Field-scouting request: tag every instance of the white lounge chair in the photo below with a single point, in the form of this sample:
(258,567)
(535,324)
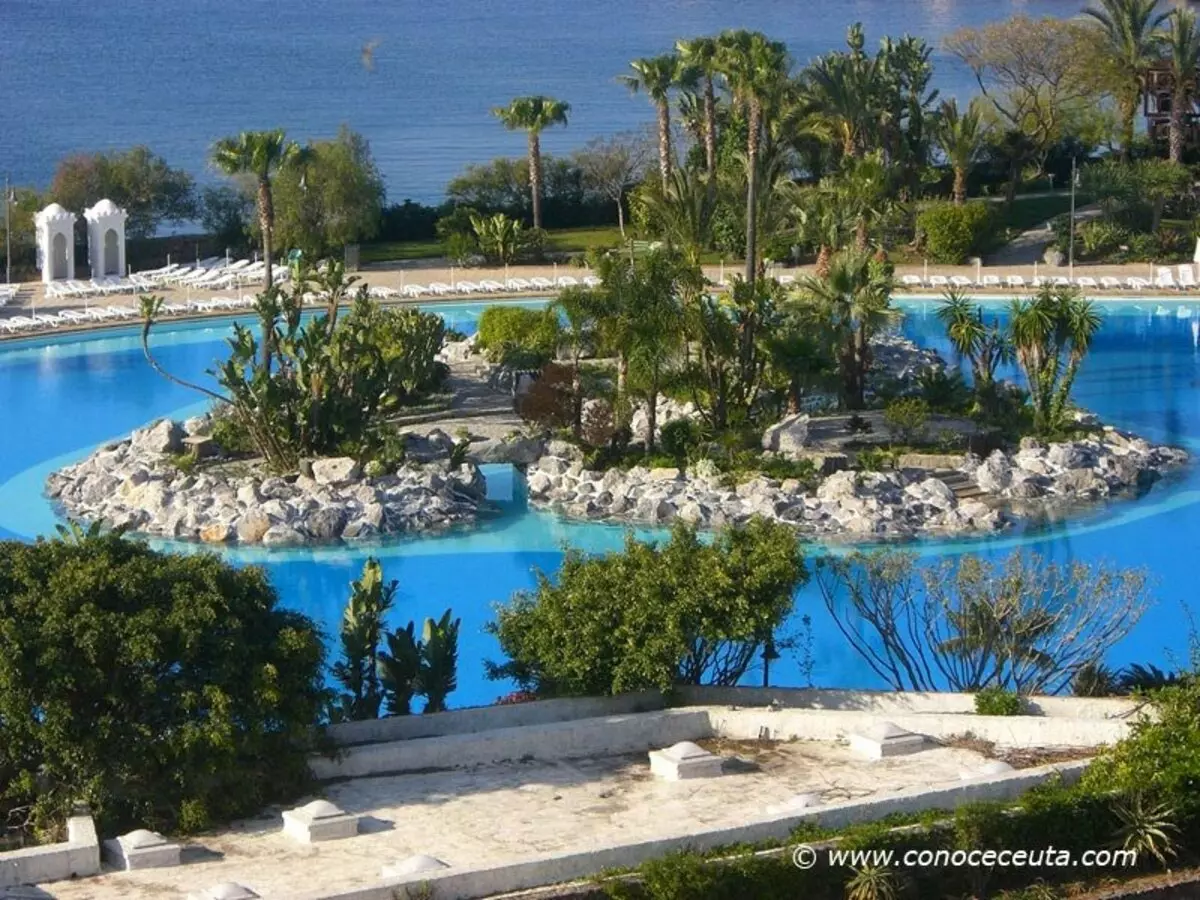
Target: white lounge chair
(1086,281)
(171,309)
(1040,281)
(99,314)
(468,287)
(960,281)
(1016,281)
(1136,284)
(786,280)
(939,281)
(518,284)
(990,281)
(1109,283)
(74,317)
(912,281)
(48,319)
(1187,278)
(414,290)
(439,287)
(19,323)
(592,281)
(542,284)
(1164,280)
(492,287)
(123,312)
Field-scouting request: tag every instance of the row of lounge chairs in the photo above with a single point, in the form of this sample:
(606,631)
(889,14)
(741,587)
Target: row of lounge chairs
(510,286)
(1164,280)
(8,293)
(41,321)
(214,272)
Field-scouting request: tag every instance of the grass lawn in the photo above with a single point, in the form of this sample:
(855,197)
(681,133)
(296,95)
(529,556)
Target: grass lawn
(567,240)
(393,250)
(1024,214)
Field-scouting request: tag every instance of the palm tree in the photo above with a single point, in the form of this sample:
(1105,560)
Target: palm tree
(1130,30)
(533,115)
(657,75)
(756,69)
(855,299)
(259,154)
(681,211)
(844,89)
(960,137)
(985,346)
(1182,47)
(701,56)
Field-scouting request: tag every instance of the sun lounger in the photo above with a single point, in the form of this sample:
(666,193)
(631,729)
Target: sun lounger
(592,281)
(1187,278)
(960,281)
(171,309)
(1040,281)
(99,314)
(912,281)
(1164,280)
(570,281)
(74,316)
(518,284)
(122,312)
(1136,284)
(542,284)
(414,290)
(1086,281)
(48,319)
(467,287)
(1015,281)
(19,323)
(990,281)
(939,281)
(1109,283)
(439,287)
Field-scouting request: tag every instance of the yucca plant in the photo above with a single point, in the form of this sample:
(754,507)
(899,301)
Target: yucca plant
(873,883)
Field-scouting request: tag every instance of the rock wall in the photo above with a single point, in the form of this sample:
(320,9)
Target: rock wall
(132,483)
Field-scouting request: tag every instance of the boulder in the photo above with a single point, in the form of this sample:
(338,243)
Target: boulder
(216,533)
(251,527)
(838,486)
(325,523)
(994,474)
(932,492)
(197,426)
(787,436)
(336,470)
(278,535)
(164,436)
(1069,455)
(1080,483)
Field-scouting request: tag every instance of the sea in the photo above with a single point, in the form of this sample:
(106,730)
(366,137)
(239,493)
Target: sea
(417,77)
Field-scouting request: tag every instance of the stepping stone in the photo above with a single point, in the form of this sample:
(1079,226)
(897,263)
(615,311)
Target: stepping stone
(141,849)
(319,820)
(684,760)
(885,739)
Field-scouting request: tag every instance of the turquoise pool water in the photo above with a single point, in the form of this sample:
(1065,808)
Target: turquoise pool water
(61,396)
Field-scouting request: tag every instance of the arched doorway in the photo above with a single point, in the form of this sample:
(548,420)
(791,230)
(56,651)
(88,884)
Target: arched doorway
(58,257)
(112,253)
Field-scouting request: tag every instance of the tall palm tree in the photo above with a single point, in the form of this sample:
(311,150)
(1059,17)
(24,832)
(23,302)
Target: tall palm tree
(657,75)
(701,56)
(259,154)
(1182,47)
(960,138)
(681,211)
(1130,31)
(855,299)
(844,89)
(533,115)
(757,71)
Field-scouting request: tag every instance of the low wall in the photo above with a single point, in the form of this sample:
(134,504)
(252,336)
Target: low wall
(1019,732)
(466,884)
(486,718)
(604,736)
(892,703)
(78,856)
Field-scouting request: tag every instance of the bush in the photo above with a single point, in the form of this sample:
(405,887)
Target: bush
(954,232)
(943,391)
(549,402)
(996,701)
(1101,237)
(679,437)
(906,418)
(506,327)
(167,692)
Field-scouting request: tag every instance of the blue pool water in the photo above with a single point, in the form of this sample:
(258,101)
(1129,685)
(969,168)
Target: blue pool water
(63,397)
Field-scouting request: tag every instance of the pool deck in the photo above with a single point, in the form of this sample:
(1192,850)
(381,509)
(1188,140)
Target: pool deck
(502,813)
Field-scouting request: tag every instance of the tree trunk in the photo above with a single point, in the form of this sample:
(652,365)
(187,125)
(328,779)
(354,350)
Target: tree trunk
(960,185)
(1178,100)
(664,142)
(622,383)
(266,221)
(793,406)
(535,176)
(710,127)
(752,190)
(621,216)
(1128,107)
(824,256)
(652,411)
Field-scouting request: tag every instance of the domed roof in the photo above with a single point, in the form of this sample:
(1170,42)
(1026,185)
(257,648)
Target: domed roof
(413,865)
(135,840)
(321,809)
(53,211)
(687,750)
(104,208)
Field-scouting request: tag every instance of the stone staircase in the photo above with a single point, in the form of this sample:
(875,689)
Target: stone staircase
(962,484)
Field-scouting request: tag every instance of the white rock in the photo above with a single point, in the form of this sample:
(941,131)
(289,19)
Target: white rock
(336,470)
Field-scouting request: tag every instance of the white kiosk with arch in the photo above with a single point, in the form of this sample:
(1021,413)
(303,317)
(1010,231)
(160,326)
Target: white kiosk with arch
(106,239)
(55,243)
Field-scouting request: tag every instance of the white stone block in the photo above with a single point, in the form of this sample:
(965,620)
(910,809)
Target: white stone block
(990,769)
(884,740)
(141,849)
(413,865)
(684,760)
(319,820)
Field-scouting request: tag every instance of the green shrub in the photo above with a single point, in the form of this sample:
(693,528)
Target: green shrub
(1101,237)
(954,232)
(229,434)
(996,701)
(944,391)
(906,418)
(876,459)
(166,691)
(505,328)
(679,437)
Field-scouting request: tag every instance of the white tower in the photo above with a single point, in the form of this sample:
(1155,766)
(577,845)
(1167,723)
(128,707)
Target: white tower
(106,239)
(55,243)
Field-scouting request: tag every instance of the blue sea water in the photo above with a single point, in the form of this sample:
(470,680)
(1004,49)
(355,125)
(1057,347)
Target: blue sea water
(60,398)
(78,75)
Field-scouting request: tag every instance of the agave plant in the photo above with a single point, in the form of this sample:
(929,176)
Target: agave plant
(1147,829)
(873,883)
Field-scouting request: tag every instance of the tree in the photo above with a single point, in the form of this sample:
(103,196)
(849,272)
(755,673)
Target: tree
(137,180)
(400,670)
(845,89)
(1051,334)
(612,167)
(533,115)
(679,212)
(362,628)
(1024,623)
(166,691)
(1182,45)
(652,616)
(500,239)
(334,196)
(855,299)
(701,56)
(581,308)
(1035,75)
(1129,31)
(259,154)
(439,661)
(225,213)
(960,138)
(756,69)
(657,75)
(985,346)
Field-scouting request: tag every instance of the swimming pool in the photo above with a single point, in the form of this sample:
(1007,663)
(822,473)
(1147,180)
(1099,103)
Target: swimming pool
(63,395)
